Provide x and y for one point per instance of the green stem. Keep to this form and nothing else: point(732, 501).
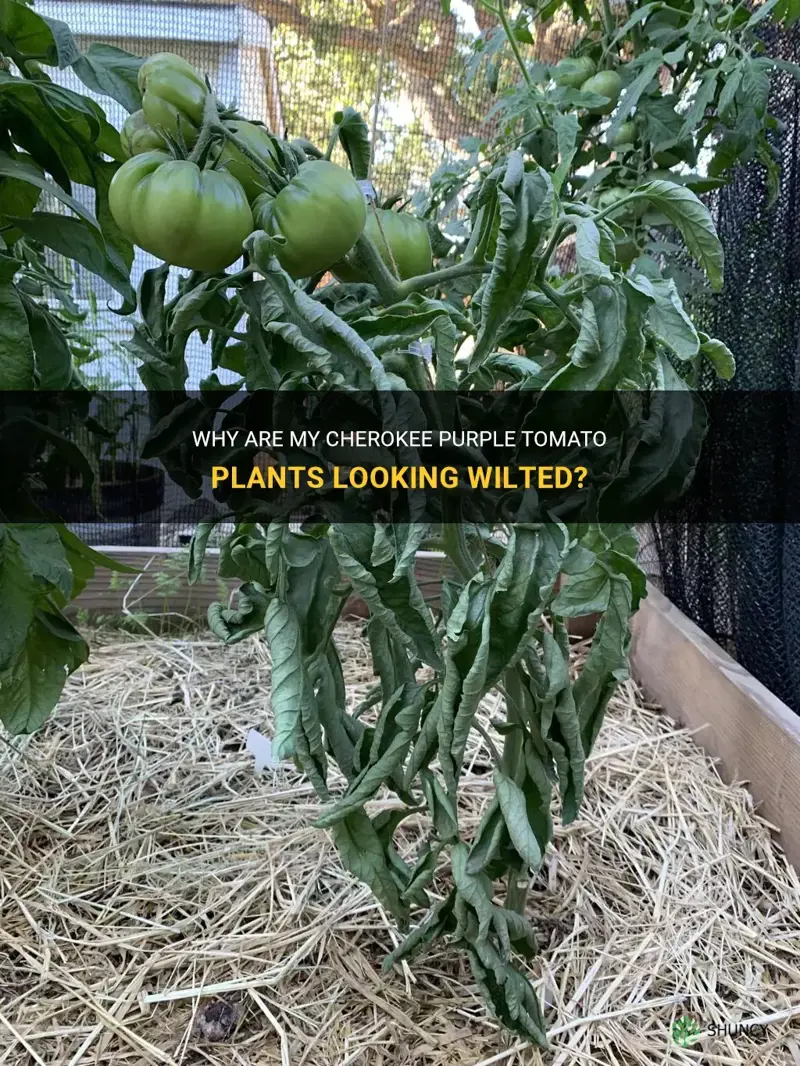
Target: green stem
point(435, 277)
point(265, 171)
point(501, 11)
point(553, 243)
point(608, 19)
point(563, 305)
point(379, 273)
point(693, 62)
point(334, 137)
point(208, 130)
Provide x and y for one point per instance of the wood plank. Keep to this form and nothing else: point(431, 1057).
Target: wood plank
point(755, 735)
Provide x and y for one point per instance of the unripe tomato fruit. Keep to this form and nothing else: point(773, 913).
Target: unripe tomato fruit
point(405, 235)
point(258, 141)
point(321, 213)
point(573, 71)
point(184, 215)
point(606, 83)
point(626, 134)
point(173, 95)
point(137, 136)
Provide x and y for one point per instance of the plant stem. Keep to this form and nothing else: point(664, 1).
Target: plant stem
point(553, 243)
point(688, 72)
point(501, 11)
point(208, 130)
point(270, 175)
point(428, 281)
point(379, 273)
point(334, 137)
point(608, 19)
point(563, 305)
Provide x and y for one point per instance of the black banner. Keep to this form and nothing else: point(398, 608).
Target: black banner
point(338, 456)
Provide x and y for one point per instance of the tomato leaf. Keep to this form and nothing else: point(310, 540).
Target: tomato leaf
point(111, 71)
point(692, 218)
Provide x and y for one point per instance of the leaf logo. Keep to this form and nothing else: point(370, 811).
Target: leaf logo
point(685, 1031)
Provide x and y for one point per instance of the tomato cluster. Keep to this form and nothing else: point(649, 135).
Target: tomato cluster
point(196, 213)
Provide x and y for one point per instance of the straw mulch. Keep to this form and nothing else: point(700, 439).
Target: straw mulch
point(159, 903)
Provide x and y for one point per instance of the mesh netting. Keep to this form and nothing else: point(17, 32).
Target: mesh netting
point(741, 584)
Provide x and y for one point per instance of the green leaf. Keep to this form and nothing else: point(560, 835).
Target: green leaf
point(474, 889)
point(630, 95)
point(34, 680)
point(692, 218)
point(489, 838)
point(290, 687)
point(16, 346)
point(589, 251)
point(507, 992)
point(704, 96)
point(22, 171)
point(582, 594)
point(197, 548)
point(53, 354)
point(354, 137)
point(74, 239)
point(42, 555)
point(395, 600)
point(606, 664)
point(515, 814)
point(720, 356)
point(362, 853)
point(666, 317)
point(19, 593)
point(35, 36)
point(526, 208)
point(438, 922)
point(111, 71)
point(394, 732)
point(566, 127)
point(761, 13)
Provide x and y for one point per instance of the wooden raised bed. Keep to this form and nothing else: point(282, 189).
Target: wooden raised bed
point(755, 736)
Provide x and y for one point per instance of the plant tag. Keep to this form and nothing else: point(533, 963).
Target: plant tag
point(260, 747)
point(367, 188)
point(423, 349)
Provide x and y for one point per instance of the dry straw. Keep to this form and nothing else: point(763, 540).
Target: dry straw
point(159, 903)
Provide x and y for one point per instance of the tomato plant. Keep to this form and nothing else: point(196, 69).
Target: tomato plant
point(601, 153)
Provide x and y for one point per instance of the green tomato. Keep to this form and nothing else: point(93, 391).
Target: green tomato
point(137, 136)
point(321, 214)
point(184, 215)
point(606, 83)
point(173, 95)
point(405, 235)
point(260, 144)
point(573, 71)
point(626, 134)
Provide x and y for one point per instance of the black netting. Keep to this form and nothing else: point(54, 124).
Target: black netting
point(741, 584)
